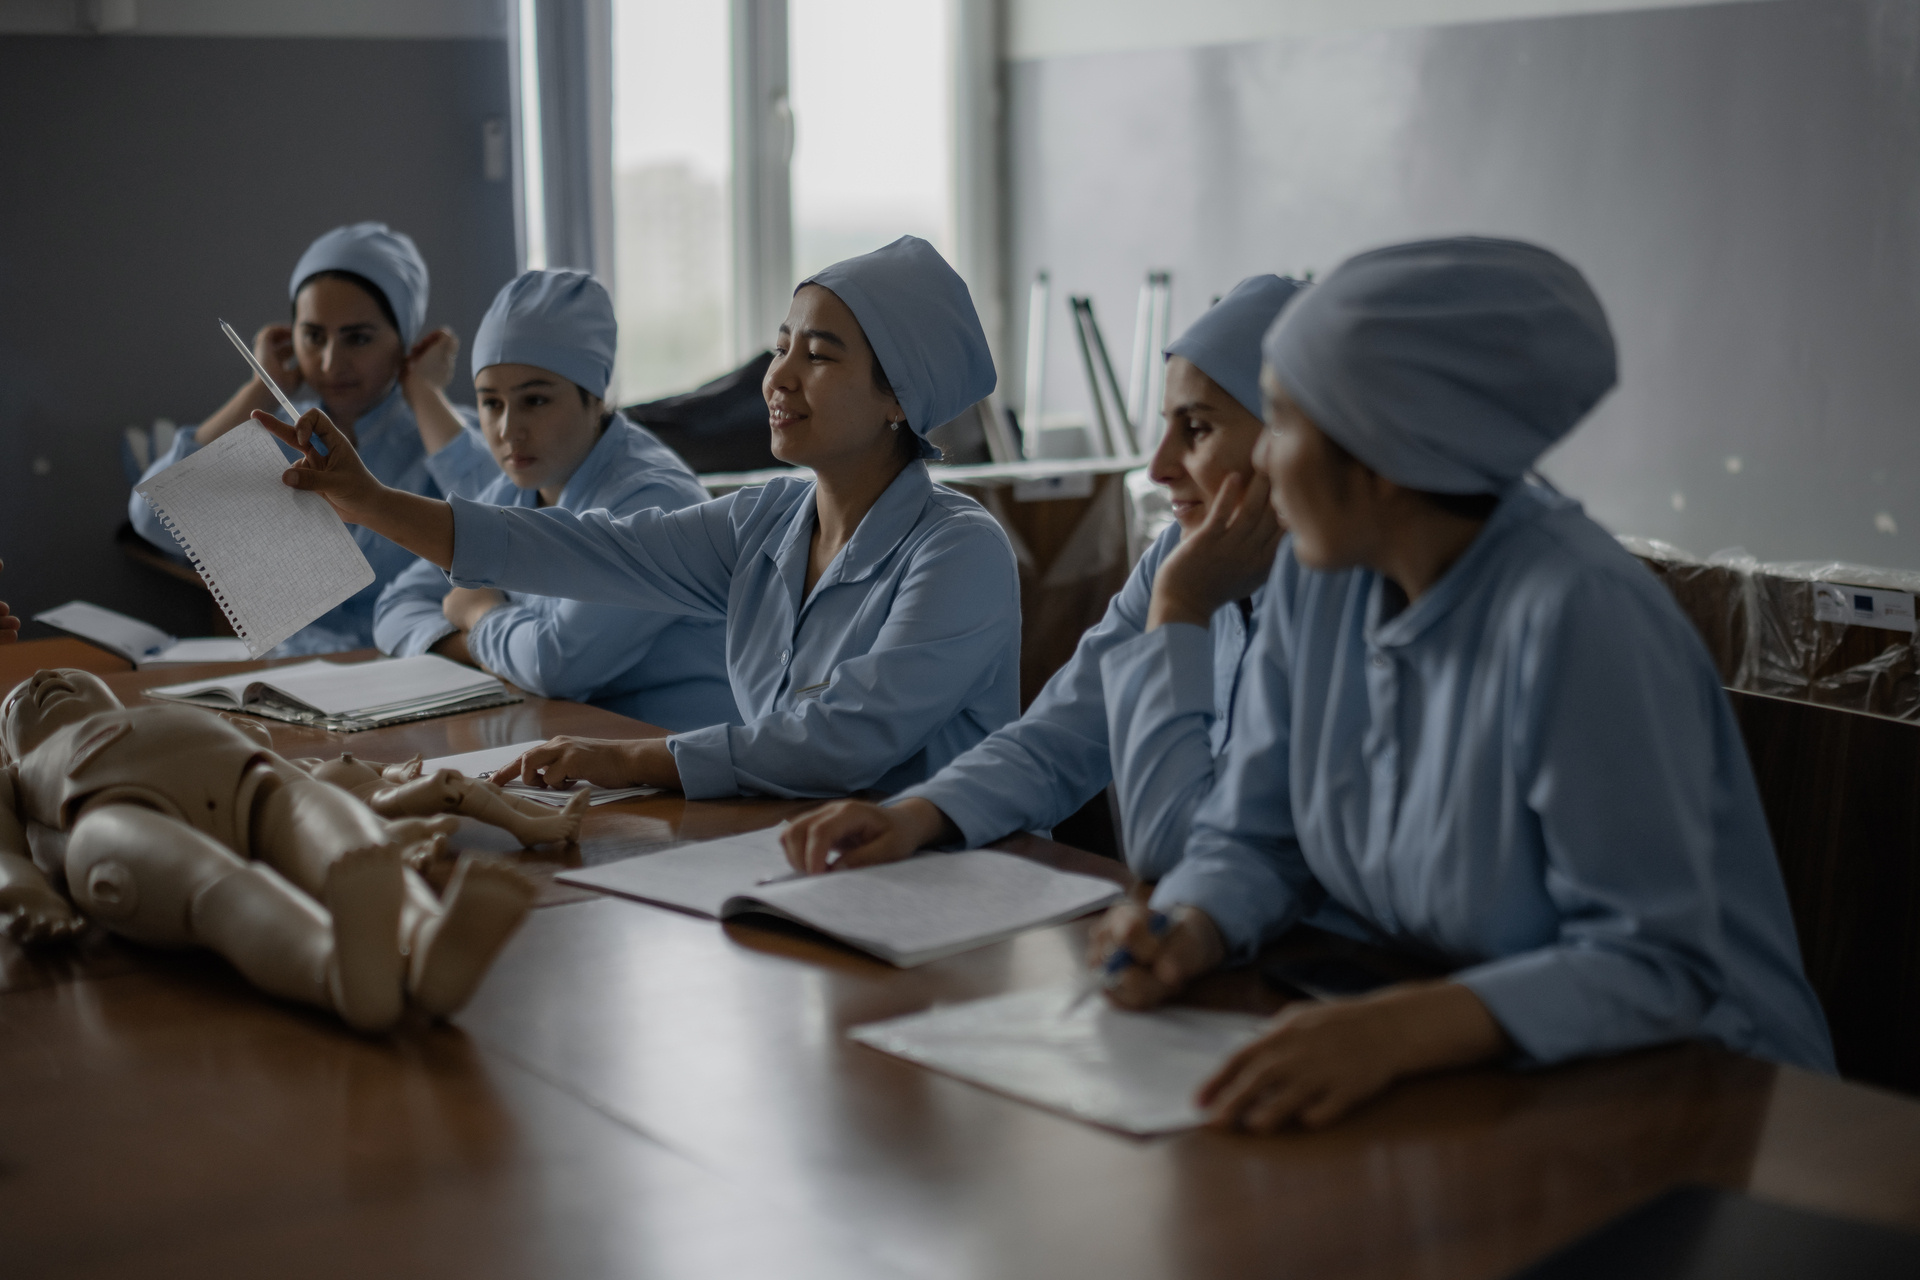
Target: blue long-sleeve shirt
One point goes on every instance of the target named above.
(1530, 774)
(389, 443)
(664, 668)
(906, 652)
(1147, 710)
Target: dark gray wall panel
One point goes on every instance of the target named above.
(1741, 183)
(151, 185)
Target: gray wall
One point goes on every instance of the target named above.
(154, 184)
(1740, 183)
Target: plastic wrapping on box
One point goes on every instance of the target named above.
(1840, 635)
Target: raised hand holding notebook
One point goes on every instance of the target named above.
(275, 558)
(906, 913)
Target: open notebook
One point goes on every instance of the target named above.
(136, 641)
(481, 764)
(907, 913)
(275, 558)
(348, 696)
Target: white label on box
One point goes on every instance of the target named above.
(1862, 606)
(1075, 484)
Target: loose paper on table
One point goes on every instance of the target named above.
(1135, 1072)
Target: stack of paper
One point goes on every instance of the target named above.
(907, 913)
(482, 764)
(1136, 1072)
(349, 696)
(137, 642)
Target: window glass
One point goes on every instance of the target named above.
(671, 168)
(871, 107)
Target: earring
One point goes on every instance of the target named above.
(893, 426)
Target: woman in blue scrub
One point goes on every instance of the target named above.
(355, 348)
(1470, 719)
(1143, 705)
(541, 362)
(873, 617)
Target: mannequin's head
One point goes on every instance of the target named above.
(46, 703)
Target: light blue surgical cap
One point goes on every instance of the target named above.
(920, 321)
(385, 257)
(560, 321)
(1446, 365)
(1224, 343)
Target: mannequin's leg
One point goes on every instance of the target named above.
(452, 948)
(155, 879)
(527, 821)
(300, 826)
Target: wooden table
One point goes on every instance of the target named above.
(636, 1092)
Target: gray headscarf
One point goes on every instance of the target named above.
(1224, 343)
(1446, 365)
(920, 321)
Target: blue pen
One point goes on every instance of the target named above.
(293, 414)
(1121, 959)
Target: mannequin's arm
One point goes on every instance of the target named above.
(30, 910)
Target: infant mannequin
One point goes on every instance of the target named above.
(173, 827)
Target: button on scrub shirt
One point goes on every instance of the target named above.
(1149, 712)
(664, 668)
(389, 443)
(906, 653)
(1530, 774)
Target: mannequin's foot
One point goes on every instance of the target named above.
(576, 813)
(484, 904)
(363, 894)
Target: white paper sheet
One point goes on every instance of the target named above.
(131, 638)
(1135, 1072)
(482, 763)
(695, 877)
(200, 649)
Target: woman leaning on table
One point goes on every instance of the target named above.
(873, 617)
(1470, 719)
(1144, 705)
(355, 349)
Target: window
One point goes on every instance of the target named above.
(871, 109)
(671, 172)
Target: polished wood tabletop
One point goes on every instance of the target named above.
(637, 1092)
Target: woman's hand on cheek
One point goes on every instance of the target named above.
(338, 475)
(273, 348)
(465, 606)
(430, 363)
(1227, 557)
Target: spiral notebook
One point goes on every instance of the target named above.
(275, 558)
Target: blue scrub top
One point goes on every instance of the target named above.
(906, 653)
(1529, 774)
(389, 443)
(664, 668)
(1147, 711)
